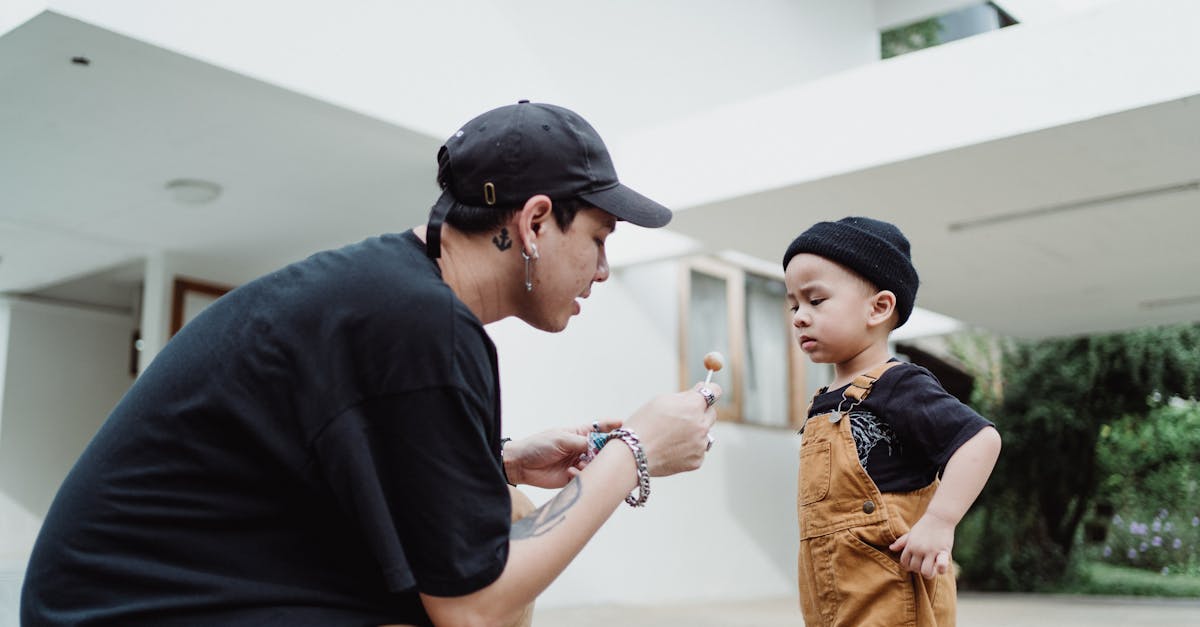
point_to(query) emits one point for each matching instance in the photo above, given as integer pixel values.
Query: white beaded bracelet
(643, 471)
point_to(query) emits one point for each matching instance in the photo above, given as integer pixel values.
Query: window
(960, 24)
(743, 315)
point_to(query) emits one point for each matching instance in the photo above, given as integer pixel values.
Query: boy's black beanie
(875, 249)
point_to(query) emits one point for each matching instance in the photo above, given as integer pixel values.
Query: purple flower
(1162, 513)
(1165, 570)
(1108, 549)
(1142, 547)
(1176, 544)
(1132, 554)
(1196, 521)
(1157, 541)
(1157, 525)
(1137, 528)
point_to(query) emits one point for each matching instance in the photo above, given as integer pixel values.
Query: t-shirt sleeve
(416, 473)
(929, 419)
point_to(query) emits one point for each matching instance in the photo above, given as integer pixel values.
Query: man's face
(569, 262)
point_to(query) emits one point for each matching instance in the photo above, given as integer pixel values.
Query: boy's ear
(883, 305)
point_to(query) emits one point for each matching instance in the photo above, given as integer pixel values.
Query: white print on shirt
(869, 431)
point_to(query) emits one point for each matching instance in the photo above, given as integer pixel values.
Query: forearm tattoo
(548, 516)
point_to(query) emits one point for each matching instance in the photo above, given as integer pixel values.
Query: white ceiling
(87, 150)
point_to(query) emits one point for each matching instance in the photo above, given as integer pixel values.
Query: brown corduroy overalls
(848, 576)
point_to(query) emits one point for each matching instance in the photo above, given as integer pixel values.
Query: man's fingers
(710, 393)
(607, 425)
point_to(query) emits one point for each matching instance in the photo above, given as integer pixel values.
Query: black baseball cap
(506, 155)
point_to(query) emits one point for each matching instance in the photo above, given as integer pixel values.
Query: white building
(1047, 173)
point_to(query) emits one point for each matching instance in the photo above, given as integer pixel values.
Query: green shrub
(1147, 513)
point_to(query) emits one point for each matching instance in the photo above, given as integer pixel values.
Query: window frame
(735, 303)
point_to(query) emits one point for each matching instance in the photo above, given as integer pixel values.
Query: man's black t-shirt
(314, 448)
(907, 428)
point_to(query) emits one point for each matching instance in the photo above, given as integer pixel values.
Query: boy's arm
(926, 547)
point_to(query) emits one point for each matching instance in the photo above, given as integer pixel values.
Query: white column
(155, 307)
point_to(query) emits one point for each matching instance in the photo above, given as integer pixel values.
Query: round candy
(714, 361)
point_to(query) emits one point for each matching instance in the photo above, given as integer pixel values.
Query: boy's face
(830, 308)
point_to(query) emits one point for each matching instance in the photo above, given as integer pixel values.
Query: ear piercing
(528, 270)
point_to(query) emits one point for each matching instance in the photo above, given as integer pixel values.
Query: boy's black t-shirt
(907, 428)
(314, 448)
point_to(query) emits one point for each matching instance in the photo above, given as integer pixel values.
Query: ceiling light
(193, 191)
(1170, 302)
(1088, 203)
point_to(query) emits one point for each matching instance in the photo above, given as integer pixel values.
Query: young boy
(876, 524)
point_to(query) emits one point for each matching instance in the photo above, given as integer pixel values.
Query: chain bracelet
(643, 470)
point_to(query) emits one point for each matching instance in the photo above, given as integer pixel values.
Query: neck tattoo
(502, 241)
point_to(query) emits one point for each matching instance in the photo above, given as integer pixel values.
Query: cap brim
(630, 206)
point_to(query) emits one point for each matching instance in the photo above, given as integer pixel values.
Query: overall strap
(860, 387)
(856, 392)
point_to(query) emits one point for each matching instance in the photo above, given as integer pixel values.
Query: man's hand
(551, 458)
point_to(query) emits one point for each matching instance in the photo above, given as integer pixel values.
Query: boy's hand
(926, 547)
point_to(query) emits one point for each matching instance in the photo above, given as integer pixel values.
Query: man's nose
(602, 268)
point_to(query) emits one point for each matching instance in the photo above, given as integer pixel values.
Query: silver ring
(711, 440)
(708, 395)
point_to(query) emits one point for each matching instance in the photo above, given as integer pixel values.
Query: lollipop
(714, 361)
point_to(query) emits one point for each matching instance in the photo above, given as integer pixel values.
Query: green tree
(1050, 400)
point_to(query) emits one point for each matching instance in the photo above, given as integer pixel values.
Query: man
(322, 445)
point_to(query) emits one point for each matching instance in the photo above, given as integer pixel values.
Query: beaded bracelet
(643, 470)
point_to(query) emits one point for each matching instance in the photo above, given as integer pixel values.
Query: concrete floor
(975, 610)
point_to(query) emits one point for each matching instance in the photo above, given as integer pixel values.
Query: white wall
(65, 370)
(727, 531)
(1000, 84)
